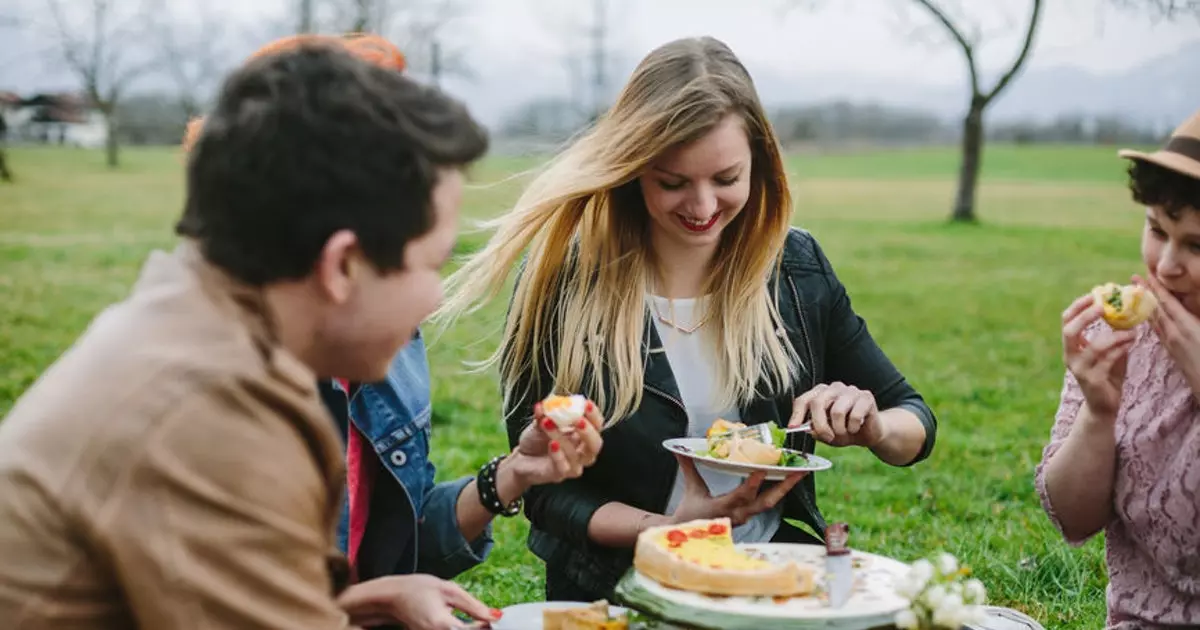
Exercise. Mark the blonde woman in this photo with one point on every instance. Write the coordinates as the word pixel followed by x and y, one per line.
pixel 663 281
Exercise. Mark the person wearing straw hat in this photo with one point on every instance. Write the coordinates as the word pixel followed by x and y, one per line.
pixel 1122 456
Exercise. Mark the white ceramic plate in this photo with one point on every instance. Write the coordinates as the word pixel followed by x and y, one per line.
pixel 529 616
pixel 873 600
pixel 692 447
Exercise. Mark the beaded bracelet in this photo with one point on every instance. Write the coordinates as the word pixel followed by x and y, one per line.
pixel 485 483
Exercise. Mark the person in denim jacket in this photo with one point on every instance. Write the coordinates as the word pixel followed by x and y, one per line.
pixel 395 519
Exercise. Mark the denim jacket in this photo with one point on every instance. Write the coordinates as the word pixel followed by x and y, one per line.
pixel 394 416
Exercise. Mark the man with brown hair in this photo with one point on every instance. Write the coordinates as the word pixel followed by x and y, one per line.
pixel 176 467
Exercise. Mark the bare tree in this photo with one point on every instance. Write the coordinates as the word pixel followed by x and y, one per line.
pixel 104 45
pixel 306 15
pixel 428 31
pixel 6 21
pixel 972 131
pixel 191 48
pixel 590 50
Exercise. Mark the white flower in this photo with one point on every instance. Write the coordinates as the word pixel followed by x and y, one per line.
pixel 907 620
pixel 907 589
pixel 974 593
pixel 920 573
pixel 949 612
pixel 946 564
pixel 935 595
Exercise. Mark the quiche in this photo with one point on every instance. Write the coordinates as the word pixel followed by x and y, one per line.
pixel 1124 306
pixel 700 556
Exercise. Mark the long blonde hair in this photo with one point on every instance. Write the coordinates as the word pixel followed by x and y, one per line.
pixel 589 266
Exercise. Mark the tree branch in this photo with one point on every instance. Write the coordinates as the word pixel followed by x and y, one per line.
pixel 966 46
pixel 1030 31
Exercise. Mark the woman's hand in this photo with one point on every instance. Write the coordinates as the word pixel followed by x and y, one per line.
pixel 842 415
pixel 1178 329
pixel 417 602
pixel 1098 364
pixel 545 454
pixel 739 505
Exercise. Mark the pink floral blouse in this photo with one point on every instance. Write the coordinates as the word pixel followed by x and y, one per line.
pixel 1153 543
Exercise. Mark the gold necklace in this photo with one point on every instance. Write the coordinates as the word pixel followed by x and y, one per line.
pixel 671 321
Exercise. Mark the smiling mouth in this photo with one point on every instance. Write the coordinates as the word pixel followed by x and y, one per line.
pixel 695 226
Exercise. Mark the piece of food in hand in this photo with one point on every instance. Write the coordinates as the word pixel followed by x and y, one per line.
pixel 565 411
pixel 1125 306
pixel 700 556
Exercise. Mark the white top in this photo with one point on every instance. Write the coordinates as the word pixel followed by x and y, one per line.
pixel 691 361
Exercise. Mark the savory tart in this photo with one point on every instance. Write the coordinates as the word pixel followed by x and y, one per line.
pixel 1124 306
pixel 594 616
pixel 700 556
pixel 565 411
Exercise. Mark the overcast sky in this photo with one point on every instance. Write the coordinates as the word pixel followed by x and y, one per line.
pixel 868 38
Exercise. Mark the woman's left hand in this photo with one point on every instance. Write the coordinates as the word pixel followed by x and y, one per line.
pixel 842 415
pixel 1178 330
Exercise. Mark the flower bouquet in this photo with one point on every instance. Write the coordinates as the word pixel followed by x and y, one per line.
pixel 940 595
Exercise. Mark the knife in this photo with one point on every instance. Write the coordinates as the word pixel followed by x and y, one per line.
pixel 839 570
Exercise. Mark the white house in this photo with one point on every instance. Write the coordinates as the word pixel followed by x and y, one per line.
pixel 64 119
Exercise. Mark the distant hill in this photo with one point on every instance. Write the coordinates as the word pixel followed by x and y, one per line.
pixel 1161 92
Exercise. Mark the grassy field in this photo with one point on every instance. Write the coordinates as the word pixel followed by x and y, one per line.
pixel 969 313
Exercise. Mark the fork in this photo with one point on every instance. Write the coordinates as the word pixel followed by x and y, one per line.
pixel 761 431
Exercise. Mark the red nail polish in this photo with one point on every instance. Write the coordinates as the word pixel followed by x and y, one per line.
pixel 554 446
pixel 548 424
pixel 497 613
pixel 581 425
pixel 590 407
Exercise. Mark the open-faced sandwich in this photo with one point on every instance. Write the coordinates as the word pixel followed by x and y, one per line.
pixel 565 411
pixel 760 444
pixel 700 556
pixel 1125 306
pixel 595 616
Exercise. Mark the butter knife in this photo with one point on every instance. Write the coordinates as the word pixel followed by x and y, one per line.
pixel 839 570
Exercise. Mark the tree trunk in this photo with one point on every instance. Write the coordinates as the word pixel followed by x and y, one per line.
pixel 5 174
pixel 362 20
pixel 110 143
pixel 435 61
pixel 968 174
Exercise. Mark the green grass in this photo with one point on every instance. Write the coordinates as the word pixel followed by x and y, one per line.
pixel 969 313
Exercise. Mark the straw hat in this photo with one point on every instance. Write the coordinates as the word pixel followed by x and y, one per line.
pixel 1181 153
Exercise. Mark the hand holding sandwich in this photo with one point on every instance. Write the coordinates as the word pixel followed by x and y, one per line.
pixel 1097 363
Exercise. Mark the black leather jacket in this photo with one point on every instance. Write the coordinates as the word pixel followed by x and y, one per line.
pixel 634 468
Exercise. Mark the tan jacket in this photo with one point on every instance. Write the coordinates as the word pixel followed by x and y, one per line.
pixel 174 469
